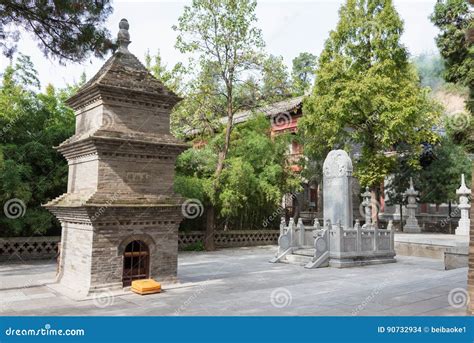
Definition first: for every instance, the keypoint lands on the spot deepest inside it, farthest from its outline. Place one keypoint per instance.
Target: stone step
(301, 260)
(304, 252)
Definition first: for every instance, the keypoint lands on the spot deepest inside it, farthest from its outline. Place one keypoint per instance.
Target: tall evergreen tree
(455, 43)
(302, 72)
(367, 95)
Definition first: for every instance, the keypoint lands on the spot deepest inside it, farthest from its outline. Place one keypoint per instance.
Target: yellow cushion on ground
(147, 286)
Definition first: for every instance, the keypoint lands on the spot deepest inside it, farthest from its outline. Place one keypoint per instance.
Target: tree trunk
(228, 131)
(209, 243)
(210, 222)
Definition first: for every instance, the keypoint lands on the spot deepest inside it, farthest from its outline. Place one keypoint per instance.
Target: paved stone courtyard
(240, 281)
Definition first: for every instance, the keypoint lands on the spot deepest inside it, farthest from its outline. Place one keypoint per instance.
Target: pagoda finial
(123, 37)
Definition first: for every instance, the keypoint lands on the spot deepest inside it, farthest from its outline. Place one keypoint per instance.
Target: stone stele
(337, 188)
(119, 216)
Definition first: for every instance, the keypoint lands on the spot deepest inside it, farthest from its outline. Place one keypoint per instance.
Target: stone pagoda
(119, 216)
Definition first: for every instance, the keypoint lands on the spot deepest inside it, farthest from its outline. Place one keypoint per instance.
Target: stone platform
(240, 281)
(453, 249)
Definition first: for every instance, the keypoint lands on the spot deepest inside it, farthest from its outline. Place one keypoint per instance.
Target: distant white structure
(464, 223)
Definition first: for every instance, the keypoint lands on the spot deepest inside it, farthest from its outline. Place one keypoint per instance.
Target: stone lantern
(411, 225)
(464, 206)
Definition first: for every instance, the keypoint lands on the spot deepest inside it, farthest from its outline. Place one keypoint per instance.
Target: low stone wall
(231, 238)
(28, 248)
(37, 248)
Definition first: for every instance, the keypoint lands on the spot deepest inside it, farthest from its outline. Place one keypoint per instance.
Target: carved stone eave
(109, 215)
(111, 200)
(122, 96)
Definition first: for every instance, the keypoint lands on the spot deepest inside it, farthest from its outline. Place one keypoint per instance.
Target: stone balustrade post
(301, 232)
(291, 232)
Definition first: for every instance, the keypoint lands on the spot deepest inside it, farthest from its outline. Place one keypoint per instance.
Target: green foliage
(254, 178)
(225, 44)
(203, 105)
(67, 30)
(30, 170)
(436, 178)
(454, 19)
(276, 83)
(367, 94)
(442, 176)
(302, 73)
(173, 78)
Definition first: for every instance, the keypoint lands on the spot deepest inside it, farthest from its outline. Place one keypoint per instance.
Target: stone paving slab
(241, 281)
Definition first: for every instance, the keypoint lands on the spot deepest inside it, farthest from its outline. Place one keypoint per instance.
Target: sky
(288, 27)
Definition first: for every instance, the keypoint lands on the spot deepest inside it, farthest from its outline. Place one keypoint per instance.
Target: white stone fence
(36, 248)
(335, 244)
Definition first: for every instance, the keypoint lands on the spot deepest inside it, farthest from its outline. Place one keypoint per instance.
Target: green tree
(367, 95)
(454, 19)
(172, 78)
(302, 72)
(275, 81)
(31, 171)
(222, 34)
(67, 30)
(203, 105)
(253, 182)
(441, 176)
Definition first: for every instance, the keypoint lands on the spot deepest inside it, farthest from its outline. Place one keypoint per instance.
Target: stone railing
(335, 245)
(28, 248)
(34, 248)
(231, 238)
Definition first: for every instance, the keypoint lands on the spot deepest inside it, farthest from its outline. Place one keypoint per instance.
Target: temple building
(308, 204)
(120, 216)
